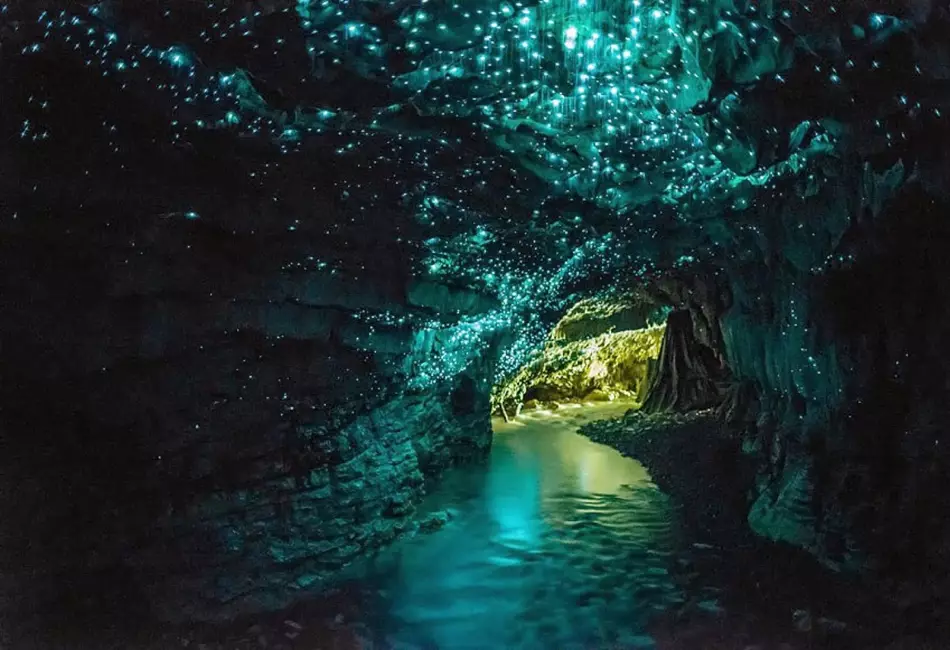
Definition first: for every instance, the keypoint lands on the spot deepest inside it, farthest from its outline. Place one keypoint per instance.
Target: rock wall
(834, 323)
(837, 336)
(188, 415)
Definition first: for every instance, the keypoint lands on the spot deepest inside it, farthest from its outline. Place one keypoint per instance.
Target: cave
(517, 324)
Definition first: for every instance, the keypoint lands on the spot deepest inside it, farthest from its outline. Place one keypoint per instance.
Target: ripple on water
(557, 542)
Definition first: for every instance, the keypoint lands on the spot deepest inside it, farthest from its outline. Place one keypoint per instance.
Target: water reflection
(555, 542)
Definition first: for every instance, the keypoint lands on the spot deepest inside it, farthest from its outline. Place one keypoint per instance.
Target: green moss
(594, 316)
(599, 367)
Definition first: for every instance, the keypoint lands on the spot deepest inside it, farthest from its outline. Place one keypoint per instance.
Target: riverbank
(769, 595)
(690, 458)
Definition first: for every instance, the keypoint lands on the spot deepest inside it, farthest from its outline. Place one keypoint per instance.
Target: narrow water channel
(555, 542)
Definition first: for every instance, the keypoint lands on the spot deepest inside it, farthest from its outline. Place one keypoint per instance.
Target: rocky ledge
(689, 456)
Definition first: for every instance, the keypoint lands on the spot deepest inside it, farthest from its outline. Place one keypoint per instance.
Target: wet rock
(400, 505)
(434, 521)
(784, 512)
(802, 620)
(640, 642)
(805, 621)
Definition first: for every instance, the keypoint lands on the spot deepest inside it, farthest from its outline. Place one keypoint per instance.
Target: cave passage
(601, 349)
(556, 541)
(269, 268)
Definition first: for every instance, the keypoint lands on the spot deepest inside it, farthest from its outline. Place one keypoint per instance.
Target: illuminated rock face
(236, 234)
(601, 349)
(302, 503)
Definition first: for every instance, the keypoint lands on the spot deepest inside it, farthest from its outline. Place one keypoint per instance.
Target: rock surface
(598, 351)
(688, 374)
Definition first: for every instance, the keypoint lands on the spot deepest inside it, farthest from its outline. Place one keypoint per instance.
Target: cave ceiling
(518, 148)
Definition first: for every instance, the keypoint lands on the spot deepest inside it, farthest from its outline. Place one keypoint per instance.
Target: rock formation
(600, 350)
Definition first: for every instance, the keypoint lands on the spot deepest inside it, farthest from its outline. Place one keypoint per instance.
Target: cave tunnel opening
(601, 349)
(651, 347)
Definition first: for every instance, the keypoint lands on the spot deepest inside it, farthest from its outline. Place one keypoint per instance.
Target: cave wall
(837, 338)
(188, 416)
(831, 314)
(690, 372)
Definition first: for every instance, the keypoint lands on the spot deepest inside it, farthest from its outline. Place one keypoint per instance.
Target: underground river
(555, 541)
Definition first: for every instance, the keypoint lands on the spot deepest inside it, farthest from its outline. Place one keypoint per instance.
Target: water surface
(555, 542)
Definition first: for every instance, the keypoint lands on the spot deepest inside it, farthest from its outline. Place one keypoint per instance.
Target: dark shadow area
(688, 375)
